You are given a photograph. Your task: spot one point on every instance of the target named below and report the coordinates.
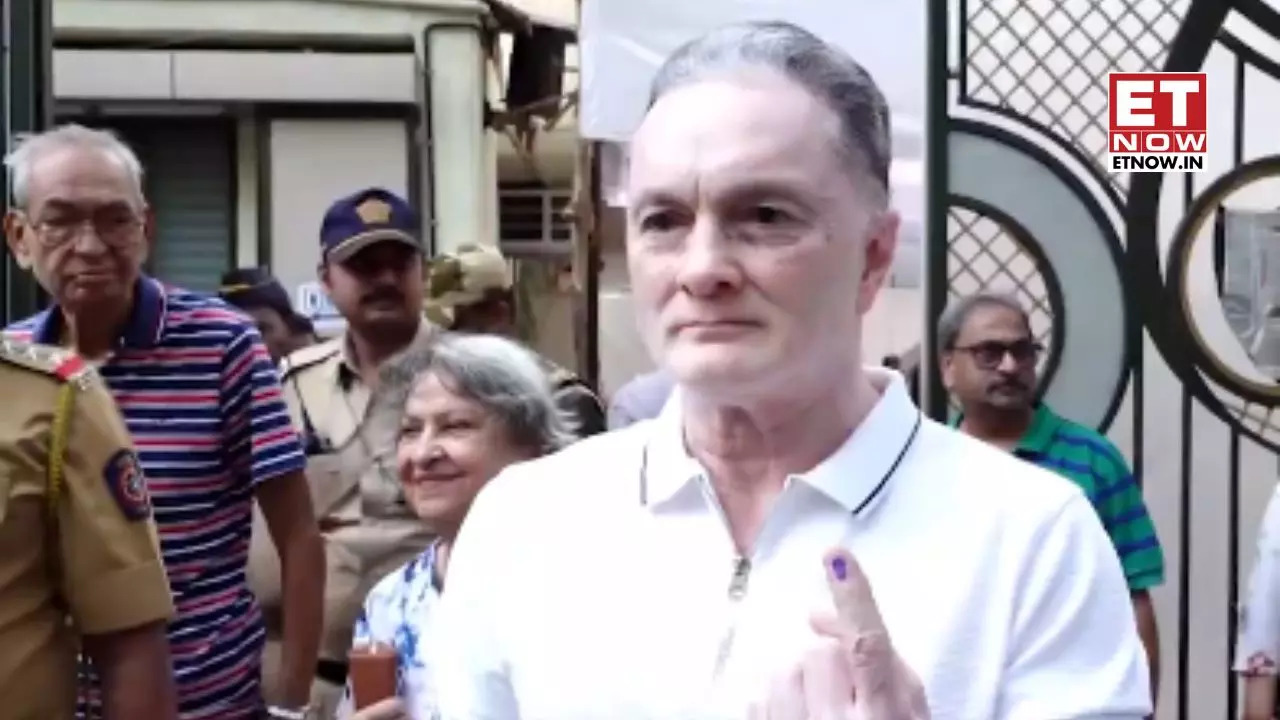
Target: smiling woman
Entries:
(465, 407)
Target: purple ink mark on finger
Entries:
(839, 568)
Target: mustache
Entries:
(385, 293)
(1007, 384)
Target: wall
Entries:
(314, 162)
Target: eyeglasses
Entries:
(114, 228)
(988, 355)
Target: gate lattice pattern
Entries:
(982, 255)
(1048, 62)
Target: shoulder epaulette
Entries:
(308, 356)
(62, 364)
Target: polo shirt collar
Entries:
(142, 330)
(849, 476)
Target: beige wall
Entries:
(314, 162)
(241, 76)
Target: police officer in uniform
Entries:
(79, 555)
(372, 268)
(471, 290)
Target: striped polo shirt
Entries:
(1087, 458)
(202, 401)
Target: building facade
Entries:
(251, 117)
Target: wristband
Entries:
(282, 713)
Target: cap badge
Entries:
(374, 212)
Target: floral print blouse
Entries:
(398, 612)
(1258, 646)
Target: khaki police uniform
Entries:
(466, 277)
(78, 549)
(368, 529)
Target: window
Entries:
(534, 221)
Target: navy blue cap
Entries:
(370, 216)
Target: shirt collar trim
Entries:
(849, 476)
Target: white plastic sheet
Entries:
(622, 43)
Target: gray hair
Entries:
(952, 321)
(29, 148)
(823, 70)
(501, 375)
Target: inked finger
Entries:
(870, 659)
(851, 591)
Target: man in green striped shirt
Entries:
(988, 360)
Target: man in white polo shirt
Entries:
(719, 561)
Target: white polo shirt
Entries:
(577, 591)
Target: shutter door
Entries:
(189, 164)
(192, 192)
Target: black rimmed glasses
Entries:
(114, 227)
(989, 354)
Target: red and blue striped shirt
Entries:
(203, 403)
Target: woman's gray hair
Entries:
(502, 376)
(825, 71)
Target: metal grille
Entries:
(982, 255)
(1048, 60)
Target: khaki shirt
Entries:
(89, 551)
(368, 529)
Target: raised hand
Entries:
(854, 673)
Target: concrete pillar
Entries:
(461, 190)
(26, 105)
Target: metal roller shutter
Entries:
(190, 172)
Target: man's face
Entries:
(994, 361)
(85, 230)
(379, 287)
(753, 248)
(275, 331)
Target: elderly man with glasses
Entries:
(202, 402)
(988, 361)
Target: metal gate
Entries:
(1123, 273)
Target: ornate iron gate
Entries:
(1119, 270)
